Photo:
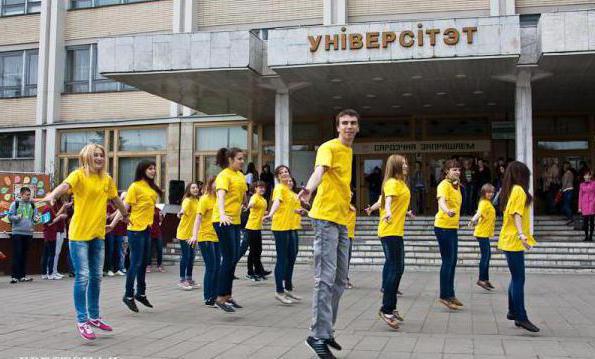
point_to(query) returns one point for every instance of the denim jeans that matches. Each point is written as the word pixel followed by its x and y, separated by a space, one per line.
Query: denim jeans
pixel 254 257
pixel 87 263
pixel 448 243
pixel 186 260
pixel 229 241
pixel 139 245
pixel 157 248
pixel 394 264
pixel 59 243
pixel 567 204
pixel 212 258
pixel 484 262
pixel 516 288
pixel 20 248
pixel 282 247
pixel 294 245
pixel 47 259
pixel 114 252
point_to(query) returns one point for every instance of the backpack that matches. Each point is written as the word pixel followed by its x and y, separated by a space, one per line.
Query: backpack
pixel 16 208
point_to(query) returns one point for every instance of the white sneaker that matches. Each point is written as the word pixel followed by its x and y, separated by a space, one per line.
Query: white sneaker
pixel 58 274
pixel 45 276
pixel 289 294
pixel 185 285
pixel 110 273
pixel 54 277
pixel 283 298
pixel 120 273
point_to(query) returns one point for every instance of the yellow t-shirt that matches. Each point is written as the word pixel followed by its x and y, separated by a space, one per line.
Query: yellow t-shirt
pixel 141 198
pixel 91 194
pixel 334 192
pixel 259 206
pixel 454 200
pixel 398 190
pixel 207 233
pixel 509 237
pixel 487 222
pixel 234 184
pixel 186 225
pixel 283 218
pixel 297 218
pixel 351 224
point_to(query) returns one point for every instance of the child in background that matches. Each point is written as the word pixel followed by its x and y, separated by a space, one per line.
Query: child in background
pixel 156 241
pixel 115 245
pixel 50 232
pixel 485 222
pixel 187 217
pixel 586 205
pixel 22 215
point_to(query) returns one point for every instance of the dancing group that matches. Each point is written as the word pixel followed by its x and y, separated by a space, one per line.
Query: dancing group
pixel 212 221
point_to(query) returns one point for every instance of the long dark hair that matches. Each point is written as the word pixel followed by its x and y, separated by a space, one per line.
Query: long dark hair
pixel 517 173
pixel 141 174
pixel 225 154
pixel 252 169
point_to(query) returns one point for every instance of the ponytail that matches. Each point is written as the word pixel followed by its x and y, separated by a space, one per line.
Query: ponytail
pixel 225 154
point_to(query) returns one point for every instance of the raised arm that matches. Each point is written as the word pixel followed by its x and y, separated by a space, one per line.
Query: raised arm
pixel 312 184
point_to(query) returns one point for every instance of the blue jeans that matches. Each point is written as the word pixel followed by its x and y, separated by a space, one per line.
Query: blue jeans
pixel 394 264
pixel 47 259
pixel 282 244
pixel 157 248
pixel 229 241
pixel 484 262
pixel 294 246
pixel 87 264
pixel 516 288
pixel 448 242
pixel 567 204
pixel 114 250
pixel 139 245
pixel 186 260
pixel 212 258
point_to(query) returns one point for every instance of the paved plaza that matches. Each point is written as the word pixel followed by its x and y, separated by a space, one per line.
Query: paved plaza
pixel 37 320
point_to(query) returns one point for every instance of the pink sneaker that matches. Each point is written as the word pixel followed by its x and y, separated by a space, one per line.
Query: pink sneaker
pixel 99 323
pixel 161 269
pixel 149 269
pixel 85 331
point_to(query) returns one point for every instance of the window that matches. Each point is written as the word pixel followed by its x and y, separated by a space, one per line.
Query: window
pixel 459 127
pixel 82 73
pixel 85 4
pixel 19 7
pixel 73 142
pixel 153 139
pixel 214 138
pixel 18 73
pixel 563 145
pixel 127 169
pixel 17 145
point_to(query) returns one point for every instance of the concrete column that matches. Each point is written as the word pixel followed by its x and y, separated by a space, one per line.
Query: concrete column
pixel 39 152
pixel 56 61
pixel 334 12
pixel 524 123
pixel 51 161
pixel 282 128
pixel 502 7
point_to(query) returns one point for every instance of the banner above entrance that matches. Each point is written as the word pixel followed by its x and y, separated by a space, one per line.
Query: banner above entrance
pixel 395 41
pixel 422 147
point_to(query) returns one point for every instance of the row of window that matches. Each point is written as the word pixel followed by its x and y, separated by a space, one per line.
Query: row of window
pixel 18 73
pixel 17 145
pixel 21 7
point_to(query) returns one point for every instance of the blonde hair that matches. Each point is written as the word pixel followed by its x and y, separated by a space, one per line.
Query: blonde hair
pixel 394 169
pixel 86 158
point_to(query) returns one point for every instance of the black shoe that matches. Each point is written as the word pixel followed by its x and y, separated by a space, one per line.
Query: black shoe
pixel 262 277
pixel 333 344
pixel 210 303
pixel 233 303
pixel 225 307
pixel 13 281
pixel 266 272
pixel 130 304
pixel 587 240
pixel 320 348
pixel 510 316
pixel 143 299
pixel 527 325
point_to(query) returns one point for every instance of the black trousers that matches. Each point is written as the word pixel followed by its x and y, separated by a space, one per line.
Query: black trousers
pixel 255 242
pixel 20 248
pixel 588 226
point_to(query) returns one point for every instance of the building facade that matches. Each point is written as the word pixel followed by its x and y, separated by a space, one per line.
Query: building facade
pixel 174 80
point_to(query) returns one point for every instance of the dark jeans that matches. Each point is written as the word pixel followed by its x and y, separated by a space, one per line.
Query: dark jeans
pixel 567 204
pixel 212 258
pixel 186 260
pixel 394 264
pixel 139 245
pixel 114 252
pixel 484 262
pixel 448 242
pixel 294 245
pixel 47 259
pixel 516 288
pixel 229 241
pixel 20 248
pixel 254 261
pixel 283 244
pixel 588 226
pixel 156 247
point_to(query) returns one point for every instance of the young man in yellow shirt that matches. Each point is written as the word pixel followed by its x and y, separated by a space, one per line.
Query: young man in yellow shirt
pixel 329 213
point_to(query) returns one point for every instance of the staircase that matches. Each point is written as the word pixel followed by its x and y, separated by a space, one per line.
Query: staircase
pixel 560 247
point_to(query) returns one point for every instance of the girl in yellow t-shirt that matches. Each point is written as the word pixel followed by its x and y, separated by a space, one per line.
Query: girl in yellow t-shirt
pixel 187 216
pixel 485 223
pixel 92 188
pixel 204 234
pixel 141 198
pixel 294 239
pixel 516 237
pixel 446 226
pixel 258 209
pixel 282 214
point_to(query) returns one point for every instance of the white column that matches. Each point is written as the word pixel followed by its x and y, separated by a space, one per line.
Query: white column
pixel 524 123
pixel 334 12
pixel 51 161
pixel 282 128
pixel 502 7
pixel 39 151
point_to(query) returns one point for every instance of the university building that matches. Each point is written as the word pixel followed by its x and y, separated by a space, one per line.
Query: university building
pixel 174 80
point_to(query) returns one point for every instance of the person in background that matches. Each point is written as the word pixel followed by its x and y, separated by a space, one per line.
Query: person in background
pixel 374 181
pixel 156 241
pixel 469 186
pixel 567 192
pixel 586 204
pixel 22 215
pixel 583 169
pixel 61 232
pixel 485 223
pixel 267 177
pixel 115 245
pixel 257 206
pixel 187 218
pixel 50 232
pixel 251 174
pixel 418 187
pixel 484 175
